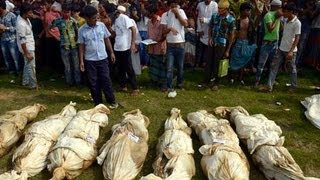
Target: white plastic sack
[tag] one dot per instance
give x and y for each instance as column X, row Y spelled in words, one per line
column 123, row 155
column 31, row 155
column 175, row 151
column 75, row 149
column 14, row 175
column 13, row 122
column 277, row 163
column 312, row 104
column 222, row 158
column 175, row 121
column 257, row 130
column 262, row 137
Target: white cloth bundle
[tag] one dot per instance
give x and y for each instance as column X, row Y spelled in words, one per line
column 123, row 155
column 31, row 155
column 312, row 104
column 221, row 148
column 175, row 151
column 13, row 122
column 264, row 141
column 75, row 149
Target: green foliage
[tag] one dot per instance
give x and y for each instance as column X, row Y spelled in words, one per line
column 302, row 138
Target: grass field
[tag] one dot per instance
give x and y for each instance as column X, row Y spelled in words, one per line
column 302, row 138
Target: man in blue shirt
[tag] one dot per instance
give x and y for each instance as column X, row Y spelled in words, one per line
column 93, row 38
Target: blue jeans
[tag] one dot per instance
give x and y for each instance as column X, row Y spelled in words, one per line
column 29, row 72
column 175, row 56
column 10, row 51
column 276, row 63
column 266, row 52
column 70, row 60
column 144, row 57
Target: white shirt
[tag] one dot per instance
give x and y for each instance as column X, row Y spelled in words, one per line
column 143, row 24
column 122, row 27
column 205, row 12
column 169, row 19
column 290, row 30
column 24, row 34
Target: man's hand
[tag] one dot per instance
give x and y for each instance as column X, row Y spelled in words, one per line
column 82, row 67
column 113, row 58
column 210, row 43
column 279, row 13
column 175, row 11
column 3, row 27
column 226, row 54
column 174, row 31
column 133, row 48
column 289, row 56
column 201, row 33
column 29, row 56
column 201, row 20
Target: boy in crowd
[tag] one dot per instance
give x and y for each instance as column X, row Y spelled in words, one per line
column 26, row 45
column 68, row 45
column 93, row 38
column 288, row 47
column 75, row 13
column 245, row 46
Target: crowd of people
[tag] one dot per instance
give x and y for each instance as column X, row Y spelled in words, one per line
column 114, row 39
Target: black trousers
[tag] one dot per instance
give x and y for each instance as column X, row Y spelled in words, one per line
column 99, row 79
column 126, row 71
column 216, row 54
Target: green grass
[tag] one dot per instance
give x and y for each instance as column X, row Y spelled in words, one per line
column 302, row 138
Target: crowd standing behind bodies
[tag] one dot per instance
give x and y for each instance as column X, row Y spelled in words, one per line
column 216, row 25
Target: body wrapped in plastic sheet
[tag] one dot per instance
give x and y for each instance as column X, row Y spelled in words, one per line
column 175, row 151
column 223, row 159
column 123, row 155
column 31, row 156
column 13, row 122
column 264, row 141
column 312, row 104
column 76, row 148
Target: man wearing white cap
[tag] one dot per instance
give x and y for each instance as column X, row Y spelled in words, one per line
column 123, row 46
column 271, row 37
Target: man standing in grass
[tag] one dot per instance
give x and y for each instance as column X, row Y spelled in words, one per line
column 124, row 45
column 271, row 37
column 221, row 32
column 26, row 45
column 245, row 46
column 93, row 38
column 174, row 20
column 68, row 45
column 8, row 39
column 288, row 48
